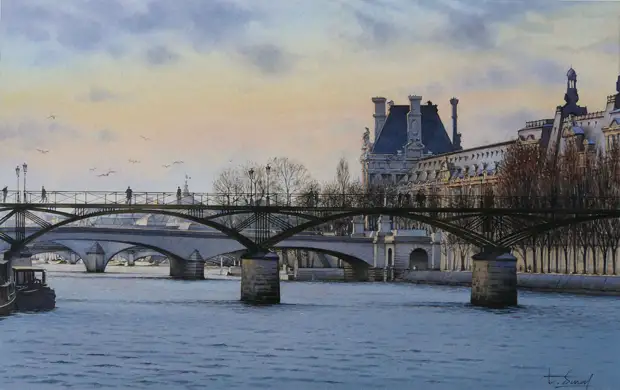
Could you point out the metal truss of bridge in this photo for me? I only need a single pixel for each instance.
(260, 222)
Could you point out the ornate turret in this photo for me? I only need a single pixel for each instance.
(572, 96)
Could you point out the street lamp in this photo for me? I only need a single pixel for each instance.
(25, 169)
(251, 175)
(17, 169)
(268, 170)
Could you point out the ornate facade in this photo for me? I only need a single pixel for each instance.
(411, 146)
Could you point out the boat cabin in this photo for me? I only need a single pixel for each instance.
(29, 276)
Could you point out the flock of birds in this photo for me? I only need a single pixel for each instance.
(112, 171)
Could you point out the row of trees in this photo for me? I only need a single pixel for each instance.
(581, 176)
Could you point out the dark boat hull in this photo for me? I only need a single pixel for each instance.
(7, 298)
(35, 299)
(7, 307)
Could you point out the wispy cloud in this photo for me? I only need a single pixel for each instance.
(98, 95)
(160, 55)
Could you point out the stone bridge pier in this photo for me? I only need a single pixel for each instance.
(260, 278)
(191, 269)
(494, 278)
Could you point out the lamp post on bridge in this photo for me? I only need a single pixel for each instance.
(251, 175)
(17, 169)
(25, 169)
(268, 170)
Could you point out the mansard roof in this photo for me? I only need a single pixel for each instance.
(393, 135)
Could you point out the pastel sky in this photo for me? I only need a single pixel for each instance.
(217, 82)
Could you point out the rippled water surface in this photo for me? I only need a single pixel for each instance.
(150, 333)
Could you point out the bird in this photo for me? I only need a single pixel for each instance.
(166, 165)
(145, 138)
(104, 174)
(43, 151)
(52, 116)
(177, 162)
(134, 161)
(111, 171)
(92, 169)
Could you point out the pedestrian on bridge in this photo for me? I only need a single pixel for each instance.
(179, 193)
(43, 195)
(129, 194)
(5, 191)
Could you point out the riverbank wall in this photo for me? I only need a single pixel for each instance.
(577, 284)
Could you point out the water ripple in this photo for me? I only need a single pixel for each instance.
(154, 333)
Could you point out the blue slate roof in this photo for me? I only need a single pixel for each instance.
(578, 130)
(393, 136)
(616, 121)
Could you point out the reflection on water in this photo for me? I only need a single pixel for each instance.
(125, 332)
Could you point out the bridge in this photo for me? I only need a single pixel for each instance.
(491, 223)
(188, 250)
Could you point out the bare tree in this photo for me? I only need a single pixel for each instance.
(343, 176)
(288, 177)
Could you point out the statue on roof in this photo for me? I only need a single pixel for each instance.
(366, 144)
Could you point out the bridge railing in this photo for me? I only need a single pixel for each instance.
(311, 200)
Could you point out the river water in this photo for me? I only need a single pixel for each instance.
(146, 332)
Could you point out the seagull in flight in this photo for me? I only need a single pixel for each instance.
(104, 174)
(43, 151)
(52, 116)
(111, 171)
(92, 169)
(134, 161)
(166, 165)
(178, 162)
(145, 138)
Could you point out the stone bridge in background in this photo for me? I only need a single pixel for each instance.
(188, 250)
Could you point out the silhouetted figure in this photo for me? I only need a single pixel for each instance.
(129, 194)
(420, 198)
(5, 191)
(179, 195)
(43, 195)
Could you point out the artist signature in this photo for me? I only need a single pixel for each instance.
(565, 381)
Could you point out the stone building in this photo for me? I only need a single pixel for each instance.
(403, 136)
(477, 166)
(412, 149)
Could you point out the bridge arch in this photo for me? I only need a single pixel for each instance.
(542, 228)
(474, 238)
(418, 259)
(110, 255)
(71, 218)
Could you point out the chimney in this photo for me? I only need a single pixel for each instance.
(379, 115)
(414, 118)
(456, 136)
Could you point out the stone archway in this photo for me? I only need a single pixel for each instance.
(418, 260)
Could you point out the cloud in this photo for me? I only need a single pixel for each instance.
(160, 55)
(28, 133)
(97, 95)
(98, 24)
(457, 24)
(514, 74)
(106, 136)
(268, 58)
(472, 24)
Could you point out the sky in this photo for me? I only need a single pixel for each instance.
(216, 83)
